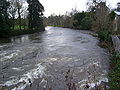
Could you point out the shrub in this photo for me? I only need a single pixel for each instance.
(86, 23)
(104, 35)
(78, 17)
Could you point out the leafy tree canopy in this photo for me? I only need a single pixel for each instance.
(4, 20)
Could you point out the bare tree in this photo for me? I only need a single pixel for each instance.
(99, 12)
(19, 5)
(17, 11)
(12, 12)
(25, 18)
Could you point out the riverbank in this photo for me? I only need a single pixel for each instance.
(114, 65)
(114, 73)
(23, 32)
(18, 32)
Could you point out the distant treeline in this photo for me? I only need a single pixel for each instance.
(98, 17)
(20, 17)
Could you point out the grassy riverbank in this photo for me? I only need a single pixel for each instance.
(114, 71)
(114, 74)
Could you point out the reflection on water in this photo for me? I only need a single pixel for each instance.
(27, 38)
(16, 39)
(5, 40)
(20, 39)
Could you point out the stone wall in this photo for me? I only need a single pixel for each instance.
(118, 22)
(116, 43)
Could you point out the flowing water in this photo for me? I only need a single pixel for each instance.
(52, 59)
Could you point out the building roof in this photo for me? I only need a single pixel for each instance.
(118, 13)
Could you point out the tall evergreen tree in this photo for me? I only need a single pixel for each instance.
(4, 20)
(35, 9)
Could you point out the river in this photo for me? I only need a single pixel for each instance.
(52, 59)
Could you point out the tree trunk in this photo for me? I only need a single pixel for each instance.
(13, 23)
(19, 18)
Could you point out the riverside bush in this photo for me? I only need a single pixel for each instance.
(104, 35)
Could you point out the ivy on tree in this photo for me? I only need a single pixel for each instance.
(35, 9)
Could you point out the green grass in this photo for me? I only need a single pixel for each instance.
(17, 27)
(17, 31)
(114, 74)
(56, 25)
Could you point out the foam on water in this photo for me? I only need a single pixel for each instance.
(9, 55)
(17, 69)
(27, 78)
(99, 82)
(3, 46)
(3, 54)
(92, 84)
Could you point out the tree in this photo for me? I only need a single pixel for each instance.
(112, 16)
(78, 17)
(55, 20)
(86, 23)
(35, 9)
(12, 12)
(4, 20)
(25, 19)
(102, 23)
(101, 15)
(19, 6)
(99, 12)
(18, 12)
(69, 19)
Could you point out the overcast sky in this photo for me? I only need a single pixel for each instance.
(61, 6)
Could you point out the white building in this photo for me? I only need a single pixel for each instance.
(117, 19)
